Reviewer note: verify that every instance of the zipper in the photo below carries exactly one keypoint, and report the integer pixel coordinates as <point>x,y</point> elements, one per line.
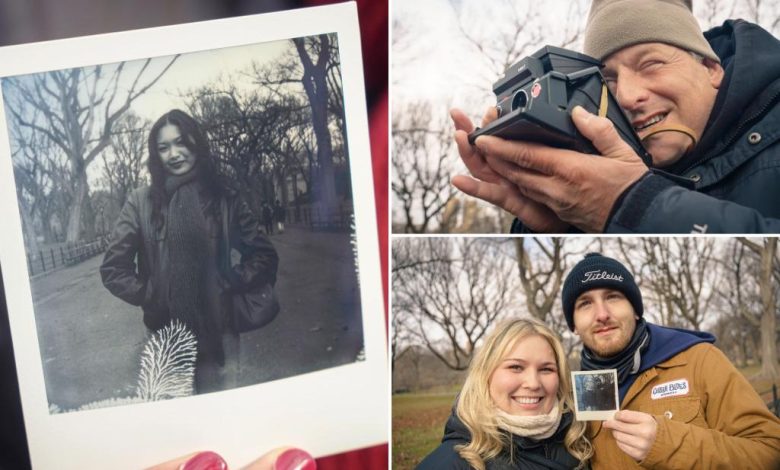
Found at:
<point>738,133</point>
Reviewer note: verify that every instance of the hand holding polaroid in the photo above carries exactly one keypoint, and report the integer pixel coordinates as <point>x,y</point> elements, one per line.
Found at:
<point>122,302</point>
<point>595,394</point>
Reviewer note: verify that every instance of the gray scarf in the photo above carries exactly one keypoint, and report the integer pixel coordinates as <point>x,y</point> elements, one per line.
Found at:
<point>188,244</point>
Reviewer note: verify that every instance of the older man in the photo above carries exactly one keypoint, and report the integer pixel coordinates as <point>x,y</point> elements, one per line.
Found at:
<point>706,106</point>
<point>683,404</point>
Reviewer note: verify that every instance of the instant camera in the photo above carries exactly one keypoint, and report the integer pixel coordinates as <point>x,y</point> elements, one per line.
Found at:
<point>536,95</point>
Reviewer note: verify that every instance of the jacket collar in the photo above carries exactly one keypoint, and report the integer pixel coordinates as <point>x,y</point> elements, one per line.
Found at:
<point>748,55</point>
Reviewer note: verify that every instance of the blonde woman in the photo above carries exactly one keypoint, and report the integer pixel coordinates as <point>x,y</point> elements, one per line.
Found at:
<point>515,409</point>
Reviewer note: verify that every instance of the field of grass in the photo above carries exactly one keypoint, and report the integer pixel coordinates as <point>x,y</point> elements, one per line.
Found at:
<point>418,425</point>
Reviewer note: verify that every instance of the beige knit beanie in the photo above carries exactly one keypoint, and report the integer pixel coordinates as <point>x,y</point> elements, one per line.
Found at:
<point>615,24</point>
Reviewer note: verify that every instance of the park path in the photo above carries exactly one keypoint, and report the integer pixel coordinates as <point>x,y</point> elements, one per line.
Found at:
<point>91,341</point>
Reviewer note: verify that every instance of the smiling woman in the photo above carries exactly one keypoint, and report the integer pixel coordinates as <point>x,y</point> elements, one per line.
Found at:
<point>170,249</point>
<point>515,408</point>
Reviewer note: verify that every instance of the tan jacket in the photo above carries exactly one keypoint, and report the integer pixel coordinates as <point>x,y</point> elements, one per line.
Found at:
<point>708,416</point>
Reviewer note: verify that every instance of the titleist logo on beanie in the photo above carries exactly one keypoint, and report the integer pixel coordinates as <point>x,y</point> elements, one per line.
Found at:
<point>599,275</point>
<point>596,271</point>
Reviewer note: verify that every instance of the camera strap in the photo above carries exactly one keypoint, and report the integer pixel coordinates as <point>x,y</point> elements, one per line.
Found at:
<point>604,103</point>
<point>675,128</point>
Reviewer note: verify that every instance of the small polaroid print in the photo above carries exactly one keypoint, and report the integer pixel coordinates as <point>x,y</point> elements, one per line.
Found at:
<point>595,394</point>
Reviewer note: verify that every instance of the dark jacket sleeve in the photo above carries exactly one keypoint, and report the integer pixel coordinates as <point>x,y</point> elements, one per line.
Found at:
<point>658,205</point>
<point>259,260</point>
<point>444,457</point>
<point>119,271</point>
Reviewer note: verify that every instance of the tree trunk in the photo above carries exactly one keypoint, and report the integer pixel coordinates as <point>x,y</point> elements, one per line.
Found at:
<point>769,368</point>
<point>28,228</point>
<point>315,83</point>
<point>81,211</point>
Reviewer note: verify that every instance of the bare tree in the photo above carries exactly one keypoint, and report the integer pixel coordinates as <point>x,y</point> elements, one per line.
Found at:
<point>315,53</point>
<point>766,14</point>
<point>678,274</point>
<point>453,302</point>
<point>737,328</point>
<point>122,163</point>
<point>710,13</point>
<point>541,279</point>
<point>516,29</point>
<point>34,187</point>
<point>245,132</point>
<point>422,167</point>
<point>407,259</point>
<point>767,255</point>
<point>76,110</point>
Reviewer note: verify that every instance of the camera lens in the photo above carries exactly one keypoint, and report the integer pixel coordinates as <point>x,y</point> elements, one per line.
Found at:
<point>520,100</point>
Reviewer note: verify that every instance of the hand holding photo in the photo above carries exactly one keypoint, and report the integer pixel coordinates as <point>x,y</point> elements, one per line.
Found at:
<point>595,394</point>
<point>189,247</point>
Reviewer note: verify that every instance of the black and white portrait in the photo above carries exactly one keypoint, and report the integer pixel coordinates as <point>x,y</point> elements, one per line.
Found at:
<point>190,224</point>
<point>595,394</point>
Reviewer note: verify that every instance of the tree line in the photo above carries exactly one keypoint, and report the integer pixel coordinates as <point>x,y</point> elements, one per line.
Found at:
<point>79,146</point>
<point>448,293</point>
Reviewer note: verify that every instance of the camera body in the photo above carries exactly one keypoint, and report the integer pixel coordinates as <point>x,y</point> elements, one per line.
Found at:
<point>536,95</point>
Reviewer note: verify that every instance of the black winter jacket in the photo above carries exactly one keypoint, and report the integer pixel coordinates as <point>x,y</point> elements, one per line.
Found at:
<point>731,182</point>
<point>135,267</point>
<point>527,453</point>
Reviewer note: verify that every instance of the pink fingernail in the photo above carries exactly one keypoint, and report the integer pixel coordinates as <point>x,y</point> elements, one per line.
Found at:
<point>295,459</point>
<point>205,461</point>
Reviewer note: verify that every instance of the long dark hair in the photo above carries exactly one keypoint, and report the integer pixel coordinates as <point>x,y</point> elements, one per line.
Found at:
<point>195,140</point>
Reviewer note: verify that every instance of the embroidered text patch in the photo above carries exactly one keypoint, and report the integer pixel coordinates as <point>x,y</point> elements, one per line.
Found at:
<point>670,389</point>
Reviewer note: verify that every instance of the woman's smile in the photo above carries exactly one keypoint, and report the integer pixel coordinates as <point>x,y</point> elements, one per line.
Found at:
<point>526,380</point>
<point>176,157</point>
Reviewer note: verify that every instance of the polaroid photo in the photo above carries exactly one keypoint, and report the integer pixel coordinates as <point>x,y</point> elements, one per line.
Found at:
<point>595,394</point>
<point>189,243</point>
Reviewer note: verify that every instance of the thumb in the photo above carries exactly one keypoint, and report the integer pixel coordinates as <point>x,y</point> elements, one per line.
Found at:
<point>284,458</point>
<point>601,132</point>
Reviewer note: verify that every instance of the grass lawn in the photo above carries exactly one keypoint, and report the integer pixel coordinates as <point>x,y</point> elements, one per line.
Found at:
<point>418,425</point>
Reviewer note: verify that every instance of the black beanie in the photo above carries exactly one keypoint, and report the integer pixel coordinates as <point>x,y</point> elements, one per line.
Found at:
<point>596,271</point>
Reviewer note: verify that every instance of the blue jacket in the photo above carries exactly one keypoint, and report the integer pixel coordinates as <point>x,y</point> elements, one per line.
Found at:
<point>729,183</point>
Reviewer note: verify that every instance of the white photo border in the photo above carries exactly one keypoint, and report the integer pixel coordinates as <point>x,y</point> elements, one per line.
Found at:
<point>594,415</point>
<point>242,423</point>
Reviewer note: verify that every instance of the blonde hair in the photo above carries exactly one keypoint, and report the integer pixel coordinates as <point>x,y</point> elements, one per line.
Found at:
<point>476,409</point>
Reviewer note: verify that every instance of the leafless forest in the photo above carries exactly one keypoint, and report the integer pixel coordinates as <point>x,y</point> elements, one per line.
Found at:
<point>79,148</point>
<point>447,293</point>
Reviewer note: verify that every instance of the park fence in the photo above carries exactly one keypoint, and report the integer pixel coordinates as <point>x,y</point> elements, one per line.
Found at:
<point>314,217</point>
<point>68,254</point>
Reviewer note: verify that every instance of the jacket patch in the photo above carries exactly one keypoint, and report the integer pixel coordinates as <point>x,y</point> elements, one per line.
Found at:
<point>670,389</point>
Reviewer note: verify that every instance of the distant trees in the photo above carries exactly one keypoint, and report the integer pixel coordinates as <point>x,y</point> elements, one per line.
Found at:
<point>277,128</point>
<point>421,167</point>
<point>75,110</point>
<point>449,292</point>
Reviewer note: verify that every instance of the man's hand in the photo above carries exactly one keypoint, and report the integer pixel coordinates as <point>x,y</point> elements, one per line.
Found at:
<point>492,187</point>
<point>634,432</point>
<point>581,189</point>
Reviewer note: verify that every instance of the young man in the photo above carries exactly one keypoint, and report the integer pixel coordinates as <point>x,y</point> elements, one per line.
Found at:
<point>706,106</point>
<point>682,402</point>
